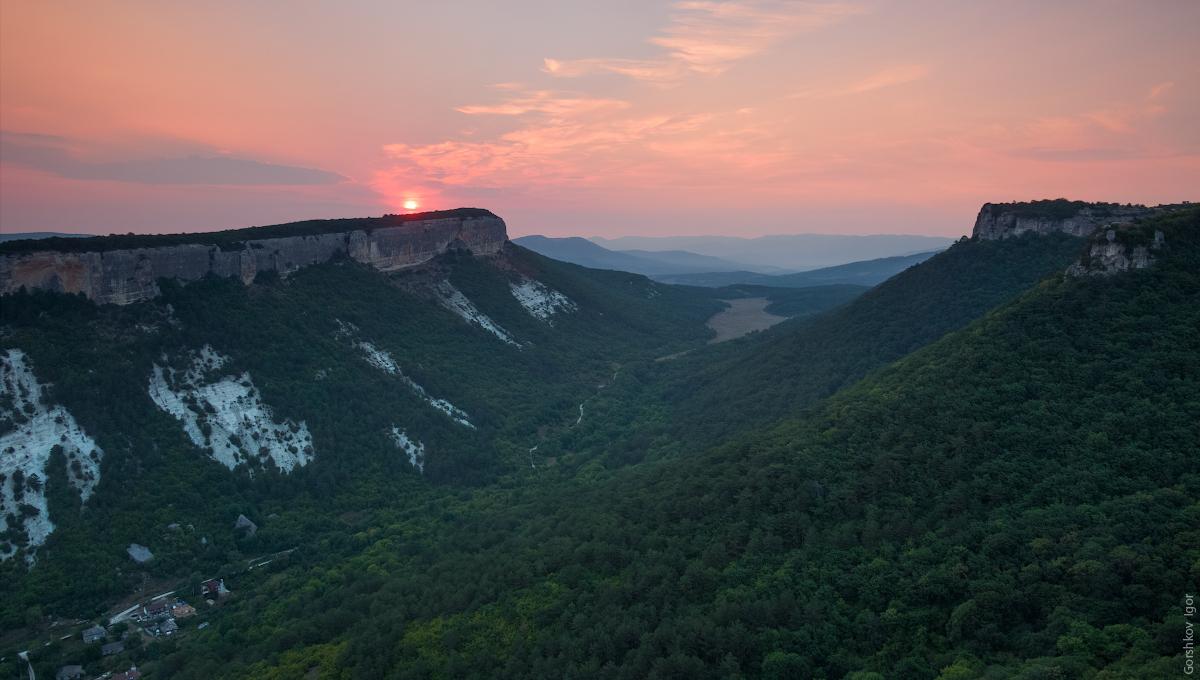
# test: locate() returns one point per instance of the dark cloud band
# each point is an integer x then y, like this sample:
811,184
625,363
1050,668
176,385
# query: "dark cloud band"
51,154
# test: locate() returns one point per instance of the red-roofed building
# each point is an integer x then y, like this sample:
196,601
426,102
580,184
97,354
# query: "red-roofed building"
213,588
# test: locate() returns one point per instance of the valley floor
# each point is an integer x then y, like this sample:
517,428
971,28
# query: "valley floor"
741,317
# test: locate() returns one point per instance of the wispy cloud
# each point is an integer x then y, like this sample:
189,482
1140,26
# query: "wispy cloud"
543,152
1128,130
556,149
887,77
547,102
660,71
64,158
1160,90
707,37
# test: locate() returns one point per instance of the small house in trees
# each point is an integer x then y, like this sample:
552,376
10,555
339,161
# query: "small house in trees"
213,588
94,634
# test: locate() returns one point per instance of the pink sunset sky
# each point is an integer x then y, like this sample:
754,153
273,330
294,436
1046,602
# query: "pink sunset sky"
591,118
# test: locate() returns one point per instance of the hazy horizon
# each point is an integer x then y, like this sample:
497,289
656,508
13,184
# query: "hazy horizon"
513,234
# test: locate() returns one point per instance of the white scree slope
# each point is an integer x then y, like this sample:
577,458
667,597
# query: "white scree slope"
382,360
539,300
452,299
226,415
414,449
25,449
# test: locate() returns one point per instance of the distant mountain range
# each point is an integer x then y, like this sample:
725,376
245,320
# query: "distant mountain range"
695,269
865,273
788,252
583,252
31,235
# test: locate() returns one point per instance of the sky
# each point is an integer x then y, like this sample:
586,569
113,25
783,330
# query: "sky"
608,118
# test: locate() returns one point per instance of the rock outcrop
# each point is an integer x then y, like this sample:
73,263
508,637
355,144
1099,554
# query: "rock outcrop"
122,275
1120,237
1004,220
1112,252
245,524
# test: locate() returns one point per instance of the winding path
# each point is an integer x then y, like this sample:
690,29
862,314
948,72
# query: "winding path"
579,419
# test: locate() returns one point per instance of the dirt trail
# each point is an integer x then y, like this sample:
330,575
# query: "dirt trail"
579,419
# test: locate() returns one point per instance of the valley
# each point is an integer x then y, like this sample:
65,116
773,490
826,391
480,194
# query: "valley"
655,340
479,466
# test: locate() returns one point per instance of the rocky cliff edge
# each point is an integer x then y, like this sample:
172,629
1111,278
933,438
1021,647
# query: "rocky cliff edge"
126,269
998,221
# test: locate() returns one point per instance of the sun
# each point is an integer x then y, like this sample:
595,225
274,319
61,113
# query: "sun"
410,204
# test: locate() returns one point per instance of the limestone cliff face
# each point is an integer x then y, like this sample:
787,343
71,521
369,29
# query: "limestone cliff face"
1003,220
123,276
1108,254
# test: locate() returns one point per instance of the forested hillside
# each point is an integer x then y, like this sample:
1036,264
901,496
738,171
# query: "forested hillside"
516,467
340,353
760,379
684,403
1015,500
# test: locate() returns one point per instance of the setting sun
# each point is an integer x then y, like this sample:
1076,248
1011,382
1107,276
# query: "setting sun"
410,204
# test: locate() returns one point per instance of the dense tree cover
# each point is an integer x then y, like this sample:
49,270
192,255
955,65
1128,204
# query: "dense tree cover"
286,334
1014,500
229,238
713,393
1055,208
757,380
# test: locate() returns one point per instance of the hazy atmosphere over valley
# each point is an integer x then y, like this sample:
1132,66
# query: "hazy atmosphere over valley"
831,339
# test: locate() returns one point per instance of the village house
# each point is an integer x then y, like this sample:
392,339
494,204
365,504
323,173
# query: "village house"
94,634
132,674
182,610
167,627
112,648
69,673
213,588
156,608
